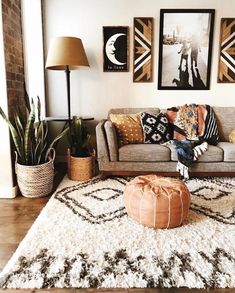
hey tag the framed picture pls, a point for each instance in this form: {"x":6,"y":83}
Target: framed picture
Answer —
{"x":185,"y":49}
{"x":115,"y":48}
{"x":143,"y":39}
{"x":226,"y":71}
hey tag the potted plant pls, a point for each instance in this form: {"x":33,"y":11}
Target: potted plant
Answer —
{"x":80,"y":158}
{"x":34,"y":164}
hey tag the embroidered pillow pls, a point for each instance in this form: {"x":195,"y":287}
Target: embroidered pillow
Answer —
{"x":128,"y":128}
{"x":156,"y":128}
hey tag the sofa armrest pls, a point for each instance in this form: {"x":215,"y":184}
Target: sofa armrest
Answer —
{"x":102,"y":148}
{"x":112,"y":140}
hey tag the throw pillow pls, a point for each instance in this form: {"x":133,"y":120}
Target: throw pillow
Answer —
{"x":232,"y":136}
{"x":156,"y":128}
{"x":128,"y":128}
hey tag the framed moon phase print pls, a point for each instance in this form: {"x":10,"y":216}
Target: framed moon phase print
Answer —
{"x":116,"y":48}
{"x":185,"y":47}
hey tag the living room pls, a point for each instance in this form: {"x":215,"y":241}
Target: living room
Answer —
{"x":173,"y":78}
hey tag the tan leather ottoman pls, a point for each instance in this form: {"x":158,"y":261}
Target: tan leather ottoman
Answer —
{"x":156,"y":201}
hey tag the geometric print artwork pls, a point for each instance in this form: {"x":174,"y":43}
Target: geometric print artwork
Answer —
{"x":155,"y":127}
{"x":226,"y":72}
{"x":143,"y":37}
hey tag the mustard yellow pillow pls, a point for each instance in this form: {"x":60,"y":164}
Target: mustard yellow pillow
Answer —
{"x":128,"y":128}
{"x":232,"y":136}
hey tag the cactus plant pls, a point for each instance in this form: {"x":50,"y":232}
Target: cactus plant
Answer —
{"x":78,"y":136}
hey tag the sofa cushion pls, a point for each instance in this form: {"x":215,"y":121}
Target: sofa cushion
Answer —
{"x":144,"y":153}
{"x":229,"y":151}
{"x":155,"y":127}
{"x":213,"y":154}
{"x":129,"y":128}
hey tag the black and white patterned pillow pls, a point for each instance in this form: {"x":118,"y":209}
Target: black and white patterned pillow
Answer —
{"x":156,"y":128}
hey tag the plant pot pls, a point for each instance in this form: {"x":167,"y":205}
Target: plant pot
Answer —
{"x":36,"y":181}
{"x":80,"y":168}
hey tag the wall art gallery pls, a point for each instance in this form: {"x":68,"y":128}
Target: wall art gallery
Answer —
{"x":184,"y":54}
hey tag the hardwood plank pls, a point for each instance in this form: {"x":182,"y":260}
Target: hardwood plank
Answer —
{"x":6,"y":252}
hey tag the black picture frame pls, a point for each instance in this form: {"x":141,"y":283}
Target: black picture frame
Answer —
{"x":115,"y":48}
{"x":187,"y":31}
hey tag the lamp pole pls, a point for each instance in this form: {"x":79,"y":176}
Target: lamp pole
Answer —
{"x":67,"y":72}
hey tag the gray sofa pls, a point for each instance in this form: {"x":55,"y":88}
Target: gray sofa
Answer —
{"x":134,"y":159}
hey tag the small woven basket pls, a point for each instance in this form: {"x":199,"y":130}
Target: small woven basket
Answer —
{"x":36,"y":181}
{"x":79,"y":168}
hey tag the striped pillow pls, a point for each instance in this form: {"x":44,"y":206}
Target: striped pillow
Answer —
{"x":211,"y":133}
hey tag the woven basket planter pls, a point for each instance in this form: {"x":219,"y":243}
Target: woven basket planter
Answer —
{"x":80,"y":168}
{"x":36,"y":181}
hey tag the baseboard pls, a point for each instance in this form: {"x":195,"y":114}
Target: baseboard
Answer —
{"x":9,"y":192}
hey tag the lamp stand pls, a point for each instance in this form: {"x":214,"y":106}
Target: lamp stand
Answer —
{"x":67,"y":72}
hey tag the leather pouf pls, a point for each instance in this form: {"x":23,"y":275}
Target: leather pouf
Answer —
{"x":158,"y":202}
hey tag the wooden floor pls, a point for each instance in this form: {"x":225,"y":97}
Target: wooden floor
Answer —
{"x":17,"y":216}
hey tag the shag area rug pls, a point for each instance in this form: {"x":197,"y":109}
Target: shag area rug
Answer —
{"x":83,"y":238}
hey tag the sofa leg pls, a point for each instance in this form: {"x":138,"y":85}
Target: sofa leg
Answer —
{"x":103,"y":175}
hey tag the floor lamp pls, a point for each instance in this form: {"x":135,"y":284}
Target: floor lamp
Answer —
{"x":66,"y":53}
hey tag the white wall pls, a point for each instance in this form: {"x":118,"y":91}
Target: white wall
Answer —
{"x":94,"y":92}
{"x":6,"y":181}
{"x":33,"y":50}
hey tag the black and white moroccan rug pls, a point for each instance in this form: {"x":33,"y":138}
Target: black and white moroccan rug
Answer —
{"x":83,"y":238}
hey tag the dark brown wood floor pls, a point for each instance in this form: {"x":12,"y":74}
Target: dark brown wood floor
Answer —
{"x":16,"y":217}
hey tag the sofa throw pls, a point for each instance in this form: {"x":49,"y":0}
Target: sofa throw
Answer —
{"x":191,"y":142}
{"x":128,"y":128}
{"x":187,"y":152}
{"x":155,"y":128}
{"x":184,"y":120}
{"x":207,"y":125}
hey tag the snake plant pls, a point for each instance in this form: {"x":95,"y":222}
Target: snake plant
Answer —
{"x":30,"y":138}
{"x":78,"y":136}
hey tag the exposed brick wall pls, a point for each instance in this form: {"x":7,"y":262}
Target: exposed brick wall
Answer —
{"x":13,"y":47}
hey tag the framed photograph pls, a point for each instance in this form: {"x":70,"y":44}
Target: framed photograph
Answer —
{"x":116,"y":48}
{"x":143,"y":39}
{"x":226,"y":70}
{"x":185,"y":49}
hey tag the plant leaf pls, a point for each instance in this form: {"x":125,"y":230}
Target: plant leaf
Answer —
{"x":39,"y":109}
{"x":20,"y":130}
{"x":15,"y":136}
{"x":57,"y":138}
{"x":28,"y":133}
